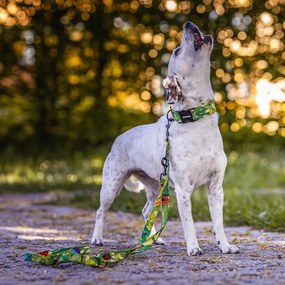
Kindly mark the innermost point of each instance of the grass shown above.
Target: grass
(253, 185)
(42, 174)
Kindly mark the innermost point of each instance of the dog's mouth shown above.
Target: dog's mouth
(198, 39)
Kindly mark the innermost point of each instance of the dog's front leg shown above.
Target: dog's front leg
(185, 212)
(216, 201)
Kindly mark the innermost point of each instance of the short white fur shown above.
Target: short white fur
(196, 149)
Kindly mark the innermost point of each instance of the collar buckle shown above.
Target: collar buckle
(186, 116)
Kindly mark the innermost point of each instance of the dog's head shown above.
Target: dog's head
(189, 64)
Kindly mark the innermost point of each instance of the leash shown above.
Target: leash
(81, 254)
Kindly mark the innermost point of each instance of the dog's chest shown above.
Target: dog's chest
(199, 137)
(195, 148)
(196, 151)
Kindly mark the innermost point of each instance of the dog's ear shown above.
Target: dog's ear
(173, 90)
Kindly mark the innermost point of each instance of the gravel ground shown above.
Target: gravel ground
(29, 222)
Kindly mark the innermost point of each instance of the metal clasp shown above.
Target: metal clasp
(165, 159)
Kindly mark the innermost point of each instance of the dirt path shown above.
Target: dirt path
(28, 224)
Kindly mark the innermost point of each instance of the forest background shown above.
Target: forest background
(74, 74)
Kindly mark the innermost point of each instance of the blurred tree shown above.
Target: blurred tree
(80, 72)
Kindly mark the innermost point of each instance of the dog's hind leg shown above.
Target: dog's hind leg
(152, 189)
(114, 177)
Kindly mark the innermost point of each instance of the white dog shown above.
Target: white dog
(196, 149)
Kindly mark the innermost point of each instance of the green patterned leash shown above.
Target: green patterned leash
(81, 254)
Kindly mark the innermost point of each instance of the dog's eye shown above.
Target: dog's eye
(177, 51)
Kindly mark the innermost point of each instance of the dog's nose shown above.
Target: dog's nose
(189, 25)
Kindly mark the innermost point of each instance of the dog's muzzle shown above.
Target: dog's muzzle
(199, 39)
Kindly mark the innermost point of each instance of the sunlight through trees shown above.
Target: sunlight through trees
(82, 71)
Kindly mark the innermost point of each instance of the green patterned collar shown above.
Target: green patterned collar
(194, 114)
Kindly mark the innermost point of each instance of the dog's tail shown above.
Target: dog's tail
(134, 186)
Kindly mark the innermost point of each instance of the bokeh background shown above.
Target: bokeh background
(74, 74)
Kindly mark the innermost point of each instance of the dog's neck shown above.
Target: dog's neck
(194, 96)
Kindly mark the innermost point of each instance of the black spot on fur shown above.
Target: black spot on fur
(212, 174)
(219, 242)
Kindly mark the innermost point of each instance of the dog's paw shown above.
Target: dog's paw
(97, 241)
(160, 241)
(167, 82)
(195, 251)
(173, 90)
(229, 248)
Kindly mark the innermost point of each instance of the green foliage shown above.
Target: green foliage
(52, 173)
(79, 73)
(253, 186)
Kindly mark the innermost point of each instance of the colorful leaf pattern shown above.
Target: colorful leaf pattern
(197, 113)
